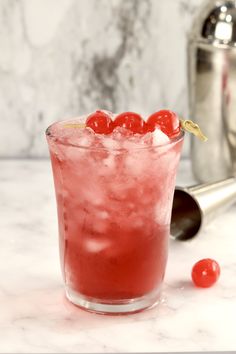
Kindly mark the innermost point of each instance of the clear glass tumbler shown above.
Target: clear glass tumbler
(114, 210)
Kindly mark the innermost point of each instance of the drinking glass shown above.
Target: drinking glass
(114, 209)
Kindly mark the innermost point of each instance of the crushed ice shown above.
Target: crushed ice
(69, 132)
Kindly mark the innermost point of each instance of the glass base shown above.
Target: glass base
(113, 307)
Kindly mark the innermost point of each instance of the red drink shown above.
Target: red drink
(114, 197)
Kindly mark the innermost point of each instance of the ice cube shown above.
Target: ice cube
(135, 164)
(110, 143)
(121, 134)
(103, 214)
(146, 139)
(159, 138)
(95, 246)
(86, 137)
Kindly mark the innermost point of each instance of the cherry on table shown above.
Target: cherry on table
(165, 120)
(205, 273)
(100, 122)
(131, 121)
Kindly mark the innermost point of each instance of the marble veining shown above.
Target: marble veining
(36, 317)
(113, 54)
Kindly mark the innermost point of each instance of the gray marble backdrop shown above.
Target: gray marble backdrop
(62, 58)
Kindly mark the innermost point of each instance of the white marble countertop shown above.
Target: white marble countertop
(36, 318)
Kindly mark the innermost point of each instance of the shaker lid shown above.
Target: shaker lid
(216, 23)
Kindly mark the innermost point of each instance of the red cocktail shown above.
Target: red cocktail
(114, 198)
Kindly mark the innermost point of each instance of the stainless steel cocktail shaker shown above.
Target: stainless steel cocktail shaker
(212, 89)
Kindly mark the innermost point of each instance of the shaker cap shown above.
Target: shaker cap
(216, 23)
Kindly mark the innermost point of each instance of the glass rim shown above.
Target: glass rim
(54, 137)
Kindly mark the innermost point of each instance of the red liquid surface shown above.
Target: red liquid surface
(114, 212)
